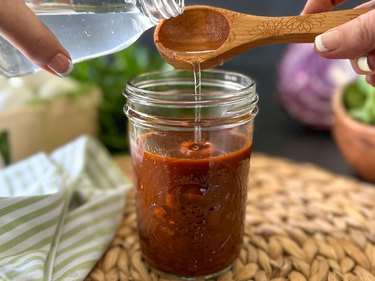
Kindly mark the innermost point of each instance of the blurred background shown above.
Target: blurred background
(294, 84)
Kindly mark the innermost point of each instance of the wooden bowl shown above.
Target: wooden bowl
(355, 139)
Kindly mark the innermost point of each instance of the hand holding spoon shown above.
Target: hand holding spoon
(210, 36)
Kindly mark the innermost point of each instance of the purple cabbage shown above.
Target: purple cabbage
(306, 84)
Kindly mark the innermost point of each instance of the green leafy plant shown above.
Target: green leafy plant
(359, 99)
(4, 148)
(111, 74)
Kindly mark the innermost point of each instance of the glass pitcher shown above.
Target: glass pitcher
(90, 28)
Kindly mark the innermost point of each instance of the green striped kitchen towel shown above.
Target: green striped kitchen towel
(59, 212)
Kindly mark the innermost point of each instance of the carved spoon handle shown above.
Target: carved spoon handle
(296, 29)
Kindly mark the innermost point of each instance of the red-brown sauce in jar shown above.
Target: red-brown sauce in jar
(191, 200)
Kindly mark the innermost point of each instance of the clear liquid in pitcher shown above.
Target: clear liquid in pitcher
(89, 28)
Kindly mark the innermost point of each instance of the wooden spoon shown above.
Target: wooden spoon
(210, 36)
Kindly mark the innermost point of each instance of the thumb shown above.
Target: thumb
(353, 40)
(22, 28)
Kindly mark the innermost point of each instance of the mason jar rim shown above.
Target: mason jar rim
(166, 99)
(136, 88)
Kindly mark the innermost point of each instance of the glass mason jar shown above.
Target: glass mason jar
(191, 159)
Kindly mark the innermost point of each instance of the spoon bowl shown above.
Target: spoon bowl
(194, 36)
(210, 36)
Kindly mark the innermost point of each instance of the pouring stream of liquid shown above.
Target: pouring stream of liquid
(198, 98)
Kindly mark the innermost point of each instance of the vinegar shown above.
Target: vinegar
(198, 98)
(89, 28)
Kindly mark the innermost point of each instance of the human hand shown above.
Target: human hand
(21, 27)
(354, 40)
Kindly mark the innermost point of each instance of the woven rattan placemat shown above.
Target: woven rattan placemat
(302, 223)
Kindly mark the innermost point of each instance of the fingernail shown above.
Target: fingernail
(363, 64)
(369, 4)
(328, 41)
(61, 65)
